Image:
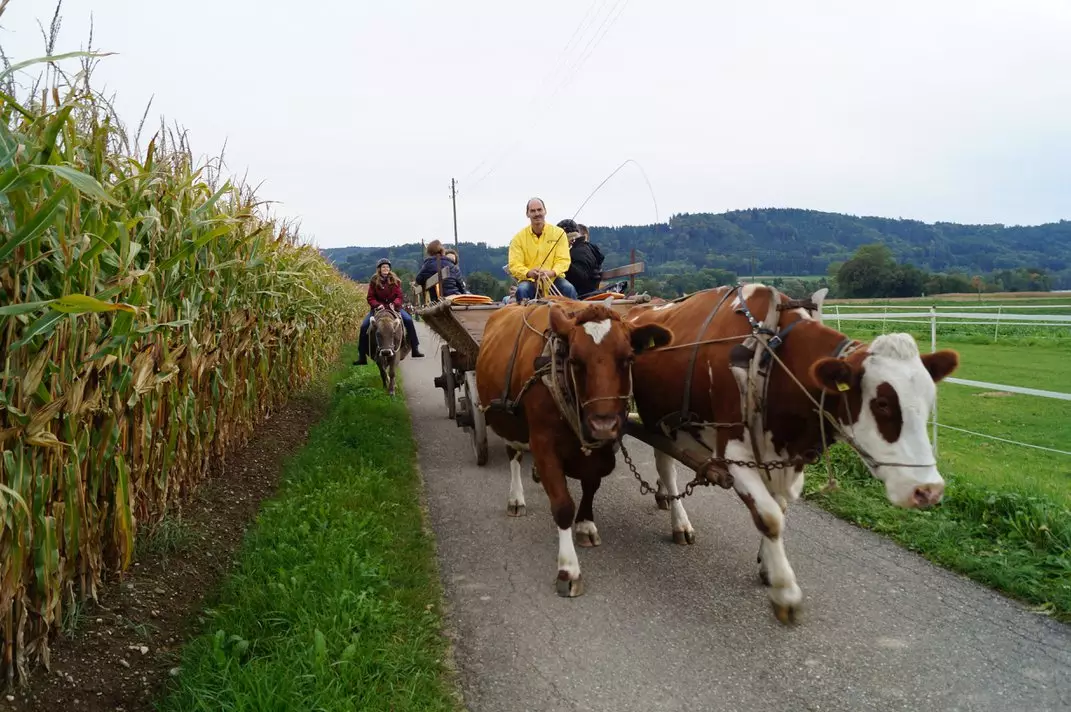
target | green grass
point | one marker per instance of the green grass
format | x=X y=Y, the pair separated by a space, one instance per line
x=335 y=601
x=1004 y=537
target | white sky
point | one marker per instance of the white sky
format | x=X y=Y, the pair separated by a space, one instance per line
x=355 y=116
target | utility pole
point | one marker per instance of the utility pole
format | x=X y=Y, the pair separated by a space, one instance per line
x=453 y=200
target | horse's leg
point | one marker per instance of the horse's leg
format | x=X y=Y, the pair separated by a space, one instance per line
x=683 y=533
x=552 y=477
x=586 y=533
x=515 y=506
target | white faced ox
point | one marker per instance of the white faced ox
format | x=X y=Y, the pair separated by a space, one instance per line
x=879 y=396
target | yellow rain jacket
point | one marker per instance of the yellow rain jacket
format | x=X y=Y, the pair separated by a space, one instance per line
x=527 y=251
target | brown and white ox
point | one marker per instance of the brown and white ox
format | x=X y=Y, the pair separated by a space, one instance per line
x=600 y=350
x=879 y=393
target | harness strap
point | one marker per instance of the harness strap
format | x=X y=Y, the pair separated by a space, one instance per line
x=504 y=403
x=686 y=415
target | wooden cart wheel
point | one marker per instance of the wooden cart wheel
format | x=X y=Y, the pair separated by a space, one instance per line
x=479 y=425
x=449 y=384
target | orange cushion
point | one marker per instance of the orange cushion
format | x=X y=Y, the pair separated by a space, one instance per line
x=604 y=295
x=466 y=299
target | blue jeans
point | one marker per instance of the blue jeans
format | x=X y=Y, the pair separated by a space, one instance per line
x=527 y=289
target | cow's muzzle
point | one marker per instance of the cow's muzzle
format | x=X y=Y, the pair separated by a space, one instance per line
x=604 y=427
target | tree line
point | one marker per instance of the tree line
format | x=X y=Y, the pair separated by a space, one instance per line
x=884 y=257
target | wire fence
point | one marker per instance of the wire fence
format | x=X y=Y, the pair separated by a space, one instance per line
x=959 y=316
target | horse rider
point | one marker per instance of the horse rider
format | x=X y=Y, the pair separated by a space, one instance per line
x=539 y=252
x=385 y=289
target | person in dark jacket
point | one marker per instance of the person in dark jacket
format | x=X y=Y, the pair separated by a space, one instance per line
x=585 y=268
x=437 y=259
x=385 y=289
x=463 y=288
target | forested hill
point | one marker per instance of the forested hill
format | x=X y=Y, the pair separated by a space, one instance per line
x=780 y=242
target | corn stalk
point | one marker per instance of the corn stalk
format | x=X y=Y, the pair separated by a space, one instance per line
x=148 y=322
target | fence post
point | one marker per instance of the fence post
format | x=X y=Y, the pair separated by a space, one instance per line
x=838 y=317
x=933 y=348
x=1000 y=310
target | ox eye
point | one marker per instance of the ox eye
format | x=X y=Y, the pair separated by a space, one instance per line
x=882 y=404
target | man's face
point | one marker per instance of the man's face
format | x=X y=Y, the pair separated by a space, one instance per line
x=537 y=214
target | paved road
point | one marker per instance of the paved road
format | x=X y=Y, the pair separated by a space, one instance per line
x=664 y=627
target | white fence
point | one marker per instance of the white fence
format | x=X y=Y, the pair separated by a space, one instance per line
x=965 y=314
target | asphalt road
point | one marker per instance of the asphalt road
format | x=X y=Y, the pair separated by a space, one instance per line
x=667 y=627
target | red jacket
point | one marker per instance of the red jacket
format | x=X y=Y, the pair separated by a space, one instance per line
x=389 y=293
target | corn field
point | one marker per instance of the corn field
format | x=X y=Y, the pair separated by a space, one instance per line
x=149 y=320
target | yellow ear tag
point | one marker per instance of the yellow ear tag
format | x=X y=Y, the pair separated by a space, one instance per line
x=651 y=343
x=843 y=387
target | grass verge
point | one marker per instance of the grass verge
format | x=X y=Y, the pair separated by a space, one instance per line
x=334 y=604
x=1014 y=540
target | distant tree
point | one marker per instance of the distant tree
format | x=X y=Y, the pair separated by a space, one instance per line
x=483 y=283
x=871 y=272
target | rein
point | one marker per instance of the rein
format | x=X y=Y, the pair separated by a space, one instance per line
x=751 y=365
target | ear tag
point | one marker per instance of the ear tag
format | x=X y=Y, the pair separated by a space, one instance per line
x=650 y=343
x=841 y=386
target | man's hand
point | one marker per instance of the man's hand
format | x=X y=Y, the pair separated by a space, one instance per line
x=533 y=273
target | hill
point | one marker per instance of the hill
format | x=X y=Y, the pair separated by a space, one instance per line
x=785 y=242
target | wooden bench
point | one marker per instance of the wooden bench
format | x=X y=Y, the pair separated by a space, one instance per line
x=431 y=286
x=629 y=270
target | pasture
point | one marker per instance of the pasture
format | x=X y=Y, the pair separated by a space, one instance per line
x=1004 y=518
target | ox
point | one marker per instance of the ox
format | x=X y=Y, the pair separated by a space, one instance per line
x=755 y=377
x=555 y=378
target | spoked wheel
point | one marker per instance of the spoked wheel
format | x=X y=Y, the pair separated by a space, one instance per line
x=479 y=424
x=447 y=382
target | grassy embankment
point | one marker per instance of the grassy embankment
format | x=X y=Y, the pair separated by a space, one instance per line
x=334 y=604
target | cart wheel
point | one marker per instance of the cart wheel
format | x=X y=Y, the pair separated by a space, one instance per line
x=479 y=425
x=449 y=385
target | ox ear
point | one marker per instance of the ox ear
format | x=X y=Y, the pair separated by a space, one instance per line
x=561 y=321
x=834 y=375
x=940 y=363
x=649 y=336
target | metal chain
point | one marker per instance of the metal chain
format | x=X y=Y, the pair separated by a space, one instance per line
x=700 y=481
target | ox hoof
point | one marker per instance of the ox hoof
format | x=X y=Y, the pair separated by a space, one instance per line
x=787 y=613
x=684 y=537
x=569 y=588
x=662 y=502
x=515 y=510
x=588 y=539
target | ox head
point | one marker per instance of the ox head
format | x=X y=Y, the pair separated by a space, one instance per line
x=889 y=389
x=387 y=326
x=601 y=349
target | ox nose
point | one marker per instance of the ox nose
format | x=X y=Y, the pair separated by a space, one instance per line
x=929 y=494
x=604 y=427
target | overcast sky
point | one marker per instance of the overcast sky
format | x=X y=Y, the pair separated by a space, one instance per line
x=355 y=116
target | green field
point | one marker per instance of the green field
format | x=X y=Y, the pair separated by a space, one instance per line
x=1006 y=517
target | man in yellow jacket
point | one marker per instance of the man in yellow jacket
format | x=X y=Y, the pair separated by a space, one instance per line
x=539 y=252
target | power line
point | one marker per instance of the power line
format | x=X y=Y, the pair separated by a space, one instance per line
x=593 y=43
